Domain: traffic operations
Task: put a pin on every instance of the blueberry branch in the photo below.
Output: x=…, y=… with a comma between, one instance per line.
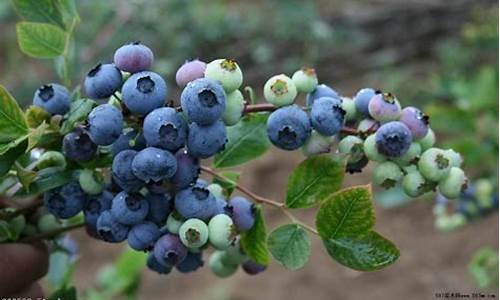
x=50, y=234
x=260, y=199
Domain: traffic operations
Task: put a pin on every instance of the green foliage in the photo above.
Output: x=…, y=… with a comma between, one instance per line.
x=290, y=246
x=13, y=126
x=247, y=140
x=11, y=230
x=44, y=11
x=40, y=40
x=78, y=112
x=313, y=180
x=484, y=267
x=253, y=241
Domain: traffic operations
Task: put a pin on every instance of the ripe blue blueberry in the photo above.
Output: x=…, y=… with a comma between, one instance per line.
x=206, y=141
x=154, y=164
x=416, y=120
x=143, y=236
x=222, y=207
x=53, y=98
x=123, y=174
x=288, y=127
x=103, y=81
x=165, y=128
x=242, y=212
x=78, y=146
x=321, y=91
x=225, y=71
x=384, y=107
x=154, y=265
x=204, y=101
x=327, y=115
x=362, y=100
x=109, y=229
x=95, y=205
x=169, y=250
x=188, y=169
x=144, y=92
x=195, y=202
x=129, y=139
x=252, y=268
x=191, y=263
x=393, y=139
x=66, y=201
x=189, y=71
x=105, y=124
x=160, y=206
x=129, y=209
x=134, y=57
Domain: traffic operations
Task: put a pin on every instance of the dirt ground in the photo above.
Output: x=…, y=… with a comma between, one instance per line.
x=430, y=261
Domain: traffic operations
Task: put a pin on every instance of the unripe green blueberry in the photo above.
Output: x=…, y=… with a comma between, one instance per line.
x=317, y=144
x=174, y=222
x=29, y=230
x=428, y=140
x=387, y=174
x=216, y=190
x=47, y=223
x=235, y=103
x=410, y=156
x=414, y=184
x=193, y=233
x=349, y=107
x=227, y=72
x=371, y=151
x=305, y=80
x=484, y=191
x=456, y=159
x=353, y=146
x=51, y=159
x=453, y=184
x=280, y=90
x=218, y=267
x=18, y=224
x=449, y=223
x=91, y=182
x=434, y=164
x=234, y=255
x=221, y=231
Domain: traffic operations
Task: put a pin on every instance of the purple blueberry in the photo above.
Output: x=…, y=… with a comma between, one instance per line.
x=252, y=268
x=129, y=209
x=154, y=265
x=78, y=146
x=53, y=98
x=188, y=169
x=204, y=101
x=362, y=100
x=165, y=128
x=189, y=71
x=66, y=201
x=206, y=141
x=95, y=205
x=321, y=91
x=154, y=164
x=393, y=139
x=288, y=127
x=384, y=107
x=134, y=57
x=129, y=139
x=109, y=229
x=191, y=263
x=143, y=236
x=327, y=115
x=416, y=120
x=169, y=250
x=195, y=202
x=144, y=92
x=242, y=212
x=123, y=174
x=160, y=206
x=105, y=124
x=103, y=81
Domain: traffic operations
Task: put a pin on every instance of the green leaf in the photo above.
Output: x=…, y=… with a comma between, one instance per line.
x=313, y=180
x=290, y=246
x=253, y=241
x=364, y=253
x=78, y=112
x=17, y=225
x=346, y=213
x=13, y=126
x=26, y=177
x=5, y=231
x=484, y=267
x=9, y=157
x=40, y=40
x=69, y=11
x=246, y=140
x=35, y=135
x=35, y=116
x=48, y=179
x=44, y=11
x=229, y=184
x=66, y=293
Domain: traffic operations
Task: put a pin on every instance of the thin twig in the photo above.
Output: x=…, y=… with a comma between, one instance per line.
x=26, y=209
x=50, y=234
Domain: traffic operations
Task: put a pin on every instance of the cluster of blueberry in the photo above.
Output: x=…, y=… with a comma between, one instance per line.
x=154, y=199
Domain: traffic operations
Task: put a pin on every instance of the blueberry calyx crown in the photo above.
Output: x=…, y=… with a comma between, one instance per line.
x=422, y=116
x=133, y=203
x=145, y=84
x=207, y=98
x=228, y=64
x=171, y=257
x=287, y=135
x=442, y=162
x=201, y=193
x=192, y=235
x=46, y=92
x=136, y=43
x=169, y=132
x=106, y=234
x=339, y=109
x=309, y=71
x=93, y=72
x=279, y=87
x=389, y=98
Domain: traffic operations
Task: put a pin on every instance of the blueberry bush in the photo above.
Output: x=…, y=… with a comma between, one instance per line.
x=116, y=156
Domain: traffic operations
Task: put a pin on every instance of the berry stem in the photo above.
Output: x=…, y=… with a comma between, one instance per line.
x=24, y=210
x=50, y=234
x=297, y=221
